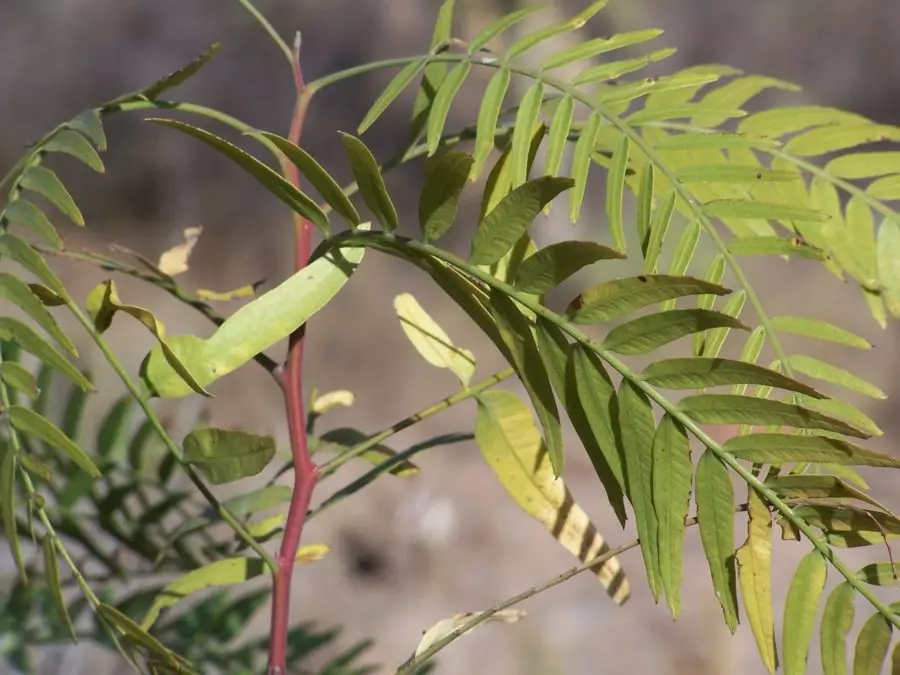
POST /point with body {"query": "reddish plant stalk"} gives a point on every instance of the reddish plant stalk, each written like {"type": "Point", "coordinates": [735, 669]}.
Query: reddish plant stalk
{"type": "Point", "coordinates": [305, 472]}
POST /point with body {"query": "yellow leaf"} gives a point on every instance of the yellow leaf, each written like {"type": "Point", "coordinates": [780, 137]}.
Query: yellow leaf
{"type": "Point", "coordinates": [266, 526]}
{"type": "Point", "coordinates": [175, 260]}
{"type": "Point", "coordinates": [312, 553]}
{"type": "Point", "coordinates": [333, 399]}
{"type": "Point", "coordinates": [431, 341]}
{"type": "Point", "coordinates": [754, 561]}
{"type": "Point", "coordinates": [444, 627]}
{"type": "Point", "coordinates": [247, 291]}
{"type": "Point", "coordinates": [513, 448]}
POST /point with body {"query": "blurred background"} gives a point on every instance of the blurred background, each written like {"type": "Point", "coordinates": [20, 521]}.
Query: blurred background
{"type": "Point", "coordinates": [409, 552]}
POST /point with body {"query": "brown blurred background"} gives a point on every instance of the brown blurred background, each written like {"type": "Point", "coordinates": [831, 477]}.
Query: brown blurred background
{"type": "Point", "coordinates": [412, 551]}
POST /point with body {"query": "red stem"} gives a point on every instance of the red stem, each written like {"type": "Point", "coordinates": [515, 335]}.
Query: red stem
{"type": "Point", "coordinates": [305, 472]}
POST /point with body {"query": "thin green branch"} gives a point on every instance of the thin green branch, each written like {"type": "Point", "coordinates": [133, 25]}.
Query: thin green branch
{"type": "Point", "coordinates": [385, 242]}
{"type": "Point", "coordinates": [471, 391]}
{"type": "Point", "coordinates": [267, 26]}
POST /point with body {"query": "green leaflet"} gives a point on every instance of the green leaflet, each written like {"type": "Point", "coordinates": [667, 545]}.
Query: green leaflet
{"type": "Point", "coordinates": [17, 249]}
{"type": "Point", "coordinates": [345, 438]}
{"type": "Point", "coordinates": [89, 123]}
{"type": "Point", "coordinates": [715, 516]}
{"type": "Point", "coordinates": [800, 611]}
{"type": "Point", "coordinates": [501, 25]}
{"type": "Point", "coordinates": [816, 486]}
{"type": "Point", "coordinates": [850, 527]}
{"type": "Point", "coordinates": [590, 391]}
{"type": "Point", "coordinates": [512, 447]}
{"type": "Point", "coordinates": [702, 372]}
{"type": "Point", "coordinates": [592, 48]}
{"type": "Point", "coordinates": [443, 99]}
{"type": "Point", "coordinates": [74, 144]}
{"type": "Point", "coordinates": [431, 341]}
{"type": "Point", "coordinates": [320, 179]}
{"type": "Point", "coordinates": [102, 305]}
{"type": "Point", "coordinates": [17, 292]}
{"type": "Point", "coordinates": [872, 646]}
{"type": "Point", "coordinates": [649, 115]}
{"type": "Point", "coordinates": [445, 178]}
{"type": "Point", "coordinates": [734, 409]}
{"type": "Point", "coordinates": [690, 141]}
{"type": "Point", "coordinates": [681, 97]}
{"type": "Point", "coordinates": [8, 470]}
{"type": "Point", "coordinates": [647, 333]}
{"type": "Point", "coordinates": [515, 331]}
{"type": "Point", "coordinates": [181, 75]}
{"type": "Point", "coordinates": [818, 330]}
{"type": "Point", "coordinates": [269, 178]}
{"type": "Point", "coordinates": [114, 426]}
{"type": "Point", "coordinates": [837, 620]}
{"type": "Point", "coordinates": [880, 574]}
{"type": "Point", "coordinates": [227, 455]}
{"type": "Point", "coordinates": [504, 225]}
{"type": "Point", "coordinates": [616, 69]}
{"type": "Point", "coordinates": [843, 411]}
{"type": "Point", "coordinates": [488, 114]}
{"type": "Point", "coordinates": [864, 165]}
{"type": "Point", "coordinates": [711, 343]}
{"type": "Point", "coordinates": [526, 117]}
{"type": "Point", "coordinates": [736, 93]}
{"type": "Point", "coordinates": [732, 173]}
{"type": "Point", "coordinates": [19, 377]}
{"type": "Point", "coordinates": [613, 299]}
{"type": "Point", "coordinates": [41, 180]}
{"type": "Point", "coordinates": [51, 571]}
{"type": "Point", "coordinates": [889, 264]}
{"type": "Point", "coordinates": [435, 72]}
{"type": "Point", "coordinates": [252, 329]}
{"type": "Point", "coordinates": [615, 190]}
{"type": "Point", "coordinates": [742, 208]}
{"type": "Point", "coordinates": [671, 477]}
{"type": "Point", "coordinates": [792, 246]}
{"type": "Point", "coordinates": [138, 637]}
{"type": "Point", "coordinates": [555, 263]}
{"type": "Point", "coordinates": [538, 36]}
{"type": "Point", "coordinates": [242, 505]}
{"type": "Point", "coordinates": [390, 93]}
{"type": "Point", "coordinates": [860, 231]}
{"type": "Point", "coordinates": [887, 188]}
{"type": "Point", "coordinates": [754, 560]}
{"type": "Point", "coordinates": [32, 218]}
{"type": "Point", "coordinates": [581, 163]}
{"type": "Point", "coordinates": [636, 431]}
{"type": "Point", "coordinates": [558, 135]}
{"type": "Point", "coordinates": [645, 208]}
{"type": "Point", "coordinates": [781, 121]}
{"type": "Point", "coordinates": [659, 227]}
{"type": "Point", "coordinates": [684, 253]}
{"type": "Point", "coordinates": [628, 92]}
{"type": "Point", "coordinates": [29, 422]}
{"type": "Point", "coordinates": [839, 137]}
{"type": "Point", "coordinates": [832, 374]}
{"type": "Point", "coordinates": [371, 182]}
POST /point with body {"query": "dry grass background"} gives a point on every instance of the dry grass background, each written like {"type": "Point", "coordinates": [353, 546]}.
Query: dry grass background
{"type": "Point", "coordinates": [448, 540]}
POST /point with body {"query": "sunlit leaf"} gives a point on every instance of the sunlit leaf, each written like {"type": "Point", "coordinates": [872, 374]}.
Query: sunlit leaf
{"type": "Point", "coordinates": [431, 341]}
{"type": "Point", "coordinates": [837, 620]}
{"type": "Point", "coordinates": [889, 264]}
{"type": "Point", "coordinates": [792, 246]}
{"type": "Point", "coordinates": [445, 178]}
{"type": "Point", "coordinates": [740, 208]}
{"type": "Point", "coordinates": [880, 574]}
{"type": "Point", "coordinates": [390, 93]}
{"type": "Point", "coordinates": [613, 299]}
{"type": "Point", "coordinates": [445, 627]}
{"type": "Point", "coordinates": [732, 173]}
{"type": "Point", "coordinates": [754, 560]}
{"type": "Point", "coordinates": [777, 122]}
{"type": "Point", "coordinates": [887, 188]}
{"type": "Point", "coordinates": [502, 227]}
{"type": "Point", "coordinates": [872, 646]}
{"type": "Point", "coordinates": [713, 141]}
{"type": "Point", "coordinates": [29, 422]}
{"type": "Point", "coordinates": [555, 263]}
{"type": "Point", "coordinates": [800, 611]}
{"type": "Point", "coordinates": [650, 115]}
{"type": "Point", "coordinates": [512, 447]}
{"type": "Point", "coordinates": [501, 25]}
{"type": "Point", "coordinates": [818, 330]}
{"type": "Point", "coordinates": [174, 261]}
{"type": "Point", "coordinates": [647, 333]}
{"type": "Point", "coordinates": [592, 48]}
{"type": "Point", "coordinates": [839, 137]}
{"type": "Point", "coordinates": [225, 455]}
{"type": "Point", "coordinates": [536, 37]}
{"type": "Point", "coordinates": [698, 373]}
{"type": "Point", "coordinates": [612, 70]}
{"type": "Point", "coordinates": [826, 372]}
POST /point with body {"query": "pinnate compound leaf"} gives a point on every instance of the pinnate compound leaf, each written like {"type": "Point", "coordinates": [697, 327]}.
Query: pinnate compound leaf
{"type": "Point", "coordinates": [522, 352]}
{"type": "Point", "coordinates": [715, 516]}
{"type": "Point", "coordinates": [51, 571]}
{"type": "Point", "coordinates": [647, 333]}
{"type": "Point", "coordinates": [872, 646]}
{"type": "Point", "coordinates": [33, 219]}
{"type": "Point", "coordinates": [699, 373]}
{"type": "Point", "coordinates": [672, 469]}
{"type": "Point", "coordinates": [512, 446]}
{"type": "Point", "coordinates": [225, 455]}
{"type": "Point", "coordinates": [317, 176]}
{"type": "Point", "coordinates": [800, 611]}
{"type": "Point", "coordinates": [29, 422]}
{"type": "Point", "coordinates": [445, 178]}
{"type": "Point", "coordinates": [832, 374]}
{"type": "Point", "coordinates": [555, 263]}
{"type": "Point", "coordinates": [443, 99]}
{"type": "Point", "coordinates": [754, 560]}
{"type": "Point", "coordinates": [267, 177]}
{"type": "Point", "coordinates": [253, 328]}
{"type": "Point", "coordinates": [17, 292]}
{"type": "Point", "coordinates": [613, 299]}
{"type": "Point", "coordinates": [837, 620]}
{"type": "Point", "coordinates": [44, 182]}
{"type": "Point", "coordinates": [735, 409]}
{"type": "Point", "coordinates": [390, 93]}
{"type": "Point", "coordinates": [636, 431]}
{"type": "Point", "coordinates": [503, 226]}
{"type": "Point", "coordinates": [431, 341]}
{"type": "Point", "coordinates": [74, 144]}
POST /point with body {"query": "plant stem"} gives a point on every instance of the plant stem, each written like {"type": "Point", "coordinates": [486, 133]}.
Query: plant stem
{"type": "Point", "coordinates": [305, 472]}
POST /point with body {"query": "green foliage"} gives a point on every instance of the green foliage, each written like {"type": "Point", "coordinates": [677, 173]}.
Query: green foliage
{"type": "Point", "coordinates": [697, 160]}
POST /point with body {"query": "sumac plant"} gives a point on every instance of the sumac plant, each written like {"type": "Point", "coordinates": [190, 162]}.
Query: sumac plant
{"type": "Point", "coordinates": [703, 171]}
